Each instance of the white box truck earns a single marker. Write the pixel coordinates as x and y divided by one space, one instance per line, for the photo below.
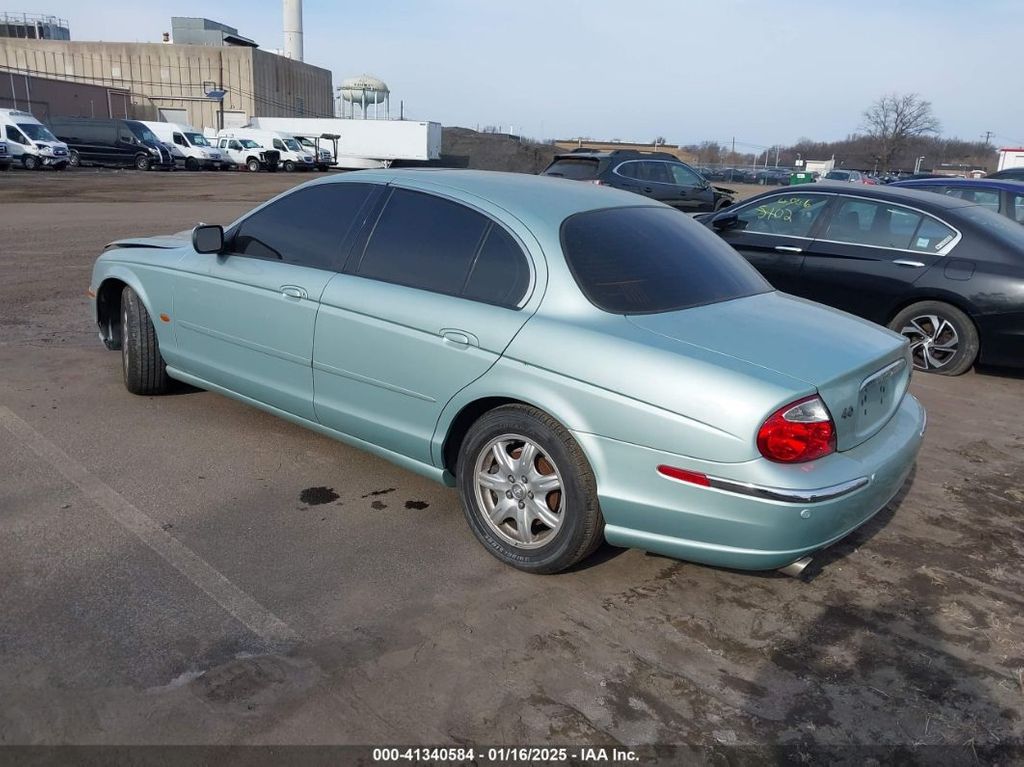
30 143
292 156
189 147
363 143
1010 158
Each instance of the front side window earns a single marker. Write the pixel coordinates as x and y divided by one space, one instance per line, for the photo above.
878 224
640 260
197 139
180 140
13 134
684 176
429 243
250 144
789 215
292 144
279 144
306 227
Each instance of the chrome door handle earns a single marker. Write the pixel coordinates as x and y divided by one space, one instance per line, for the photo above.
293 291
905 262
459 337
788 249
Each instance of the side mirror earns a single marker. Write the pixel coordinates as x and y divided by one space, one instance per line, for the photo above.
727 221
208 238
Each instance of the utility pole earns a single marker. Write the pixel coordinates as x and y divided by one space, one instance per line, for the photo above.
988 134
733 147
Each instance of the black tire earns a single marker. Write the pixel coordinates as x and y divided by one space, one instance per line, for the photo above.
580 528
74 159
191 163
144 369
943 339
253 165
142 162
289 166
30 162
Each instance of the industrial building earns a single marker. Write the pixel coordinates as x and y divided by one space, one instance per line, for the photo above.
33 26
206 75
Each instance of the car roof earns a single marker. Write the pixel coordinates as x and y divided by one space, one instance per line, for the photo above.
541 200
1006 184
888 193
625 154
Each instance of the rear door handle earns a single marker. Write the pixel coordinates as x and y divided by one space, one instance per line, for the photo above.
294 291
459 337
788 249
905 262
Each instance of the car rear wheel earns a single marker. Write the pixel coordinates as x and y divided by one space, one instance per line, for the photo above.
144 369
527 490
942 338
253 165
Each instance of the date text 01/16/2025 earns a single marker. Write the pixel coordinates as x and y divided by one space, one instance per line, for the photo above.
505 754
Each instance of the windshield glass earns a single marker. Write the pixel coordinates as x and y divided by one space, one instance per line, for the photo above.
248 143
648 260
577 169
36 132
197 139
307 143
144 134
292 144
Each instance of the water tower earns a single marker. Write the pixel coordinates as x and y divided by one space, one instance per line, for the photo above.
364 91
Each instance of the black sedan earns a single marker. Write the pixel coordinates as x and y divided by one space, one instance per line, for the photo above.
946 273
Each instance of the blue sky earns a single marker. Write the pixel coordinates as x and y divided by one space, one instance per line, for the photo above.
764 71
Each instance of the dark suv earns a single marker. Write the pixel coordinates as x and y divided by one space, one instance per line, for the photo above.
657 175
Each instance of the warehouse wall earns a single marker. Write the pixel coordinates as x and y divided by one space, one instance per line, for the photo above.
172 76
47 98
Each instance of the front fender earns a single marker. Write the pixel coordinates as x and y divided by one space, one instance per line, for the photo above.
156 295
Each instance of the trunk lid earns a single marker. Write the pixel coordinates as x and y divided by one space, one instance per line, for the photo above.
860 370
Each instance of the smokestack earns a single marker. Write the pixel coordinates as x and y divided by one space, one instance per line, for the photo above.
293 29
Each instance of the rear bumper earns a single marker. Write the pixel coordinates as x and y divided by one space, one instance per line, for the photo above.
745 528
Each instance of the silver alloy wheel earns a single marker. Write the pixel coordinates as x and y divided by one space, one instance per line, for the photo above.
934 341
518 491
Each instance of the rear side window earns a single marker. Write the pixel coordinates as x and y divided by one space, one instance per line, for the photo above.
648 260
879 224
932 236
986 198
578 169
305 228
426 242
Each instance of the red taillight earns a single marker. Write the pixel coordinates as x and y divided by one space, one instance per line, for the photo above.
693 477
800 431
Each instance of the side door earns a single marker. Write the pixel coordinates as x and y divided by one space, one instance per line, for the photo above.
692 193
773 232
244 319
126 146
15 143
428 301
870 253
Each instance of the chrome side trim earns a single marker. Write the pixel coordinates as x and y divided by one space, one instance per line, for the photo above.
786 495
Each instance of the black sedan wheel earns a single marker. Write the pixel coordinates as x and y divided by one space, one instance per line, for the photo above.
942 338
528 491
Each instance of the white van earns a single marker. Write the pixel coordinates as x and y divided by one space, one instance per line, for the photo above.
246 153
189 147
30 143
293 156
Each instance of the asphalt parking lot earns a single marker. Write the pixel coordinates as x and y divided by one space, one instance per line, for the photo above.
187 569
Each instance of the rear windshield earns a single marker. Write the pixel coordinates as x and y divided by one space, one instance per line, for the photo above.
1004 229
578 169
838 175
648 260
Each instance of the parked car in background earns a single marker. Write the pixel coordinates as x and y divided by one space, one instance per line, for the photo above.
29 143
657 175
946 273
190 148
772 177
5 157
848 176
1010 174
118 143
1003 196
248 154
461 324
291 155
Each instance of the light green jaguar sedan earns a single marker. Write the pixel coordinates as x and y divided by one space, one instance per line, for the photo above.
580 363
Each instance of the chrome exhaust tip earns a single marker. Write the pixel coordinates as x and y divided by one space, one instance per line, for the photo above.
795 568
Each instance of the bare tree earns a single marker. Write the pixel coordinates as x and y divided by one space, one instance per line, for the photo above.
896 118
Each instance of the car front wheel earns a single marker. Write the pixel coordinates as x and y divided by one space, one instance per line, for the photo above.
30 162
527 490
142 162
942 338
144 369
74 159
253 165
